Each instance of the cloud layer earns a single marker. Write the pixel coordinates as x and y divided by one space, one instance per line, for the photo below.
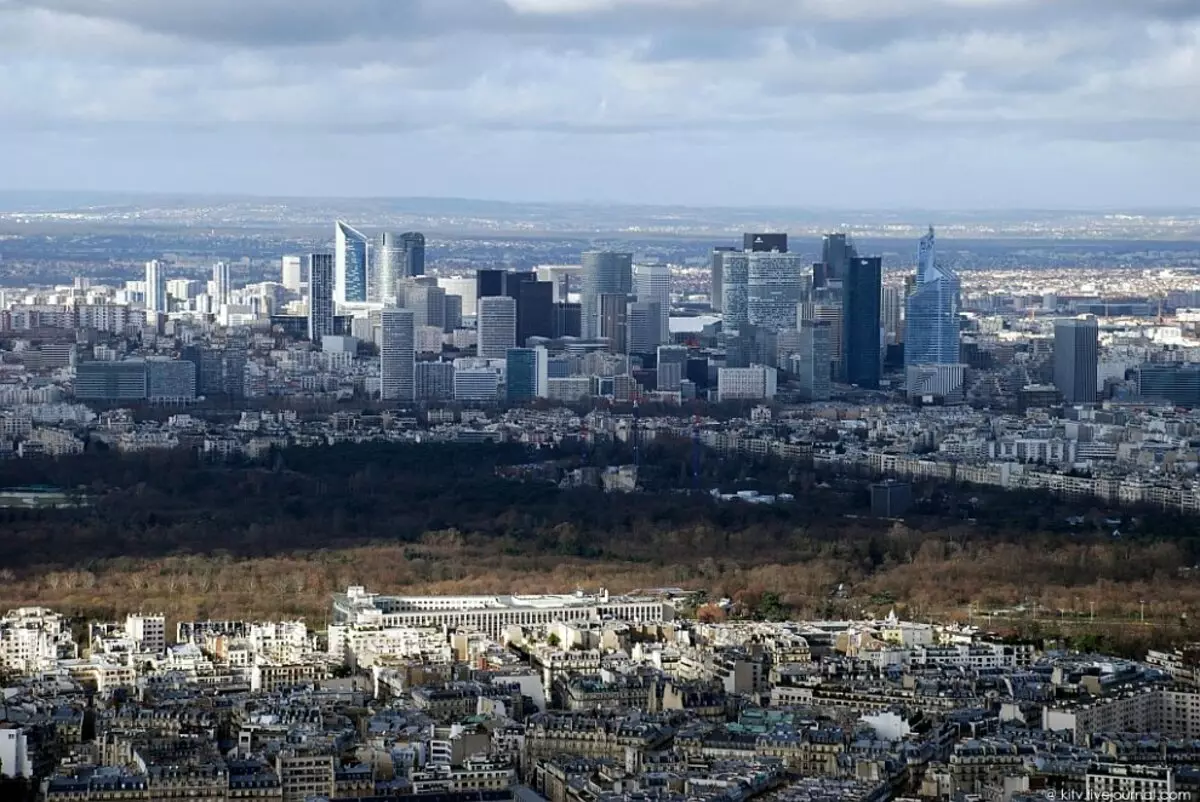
676 97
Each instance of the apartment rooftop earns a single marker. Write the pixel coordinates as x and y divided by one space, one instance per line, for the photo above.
357 598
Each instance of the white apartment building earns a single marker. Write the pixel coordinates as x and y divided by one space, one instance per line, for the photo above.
491 614
14 752
34 639
755 383
365 647
148 632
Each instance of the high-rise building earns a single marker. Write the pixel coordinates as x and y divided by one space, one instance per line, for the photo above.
490 283
389 266
170 380
604 273
836 253
861 296
351 253
156 287
735 294
653 283
568 320
397 355
221 285
776 284
765 243
111 381
892 314
463 287
1177 383
291 273
496 326
812 361
320 296
434 381
755 383
672 367
535 305
716 292
642 326
454 313
565 279
414 253
1076 359
931 335
428 305
614 321
526 374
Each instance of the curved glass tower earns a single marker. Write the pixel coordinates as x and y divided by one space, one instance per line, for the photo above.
932 333
350 265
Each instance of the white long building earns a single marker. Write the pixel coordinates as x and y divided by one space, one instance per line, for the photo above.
491 614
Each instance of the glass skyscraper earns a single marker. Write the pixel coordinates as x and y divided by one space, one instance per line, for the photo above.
604 273
861 297
350 265
931 330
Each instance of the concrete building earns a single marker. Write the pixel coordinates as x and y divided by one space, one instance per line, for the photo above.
1076 359
320 296
397 355
496 323
755 383
603 273
652 284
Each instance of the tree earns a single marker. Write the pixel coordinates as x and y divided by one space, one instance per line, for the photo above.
553 640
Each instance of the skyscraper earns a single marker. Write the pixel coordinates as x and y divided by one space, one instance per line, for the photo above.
434 381
320 296
836 253
414 253
776 283
604 273
496 326
350 265
526 374
765 243
931 328
221 285
672 367
567 320
489 283
535 308
716 292
812 361
861 294
428 305
653 283
735 293
389 266
1076 359
642 324
614 320
397 355
156 287
291 273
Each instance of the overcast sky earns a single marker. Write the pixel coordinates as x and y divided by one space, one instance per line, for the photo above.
931 104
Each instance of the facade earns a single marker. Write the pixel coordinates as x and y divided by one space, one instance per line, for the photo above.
156 287
672 367
111 381
351 273
765 243
936 384
735 292
291 273
476 384
434 381
836 253
535 309
496 324
568 320
414 253
1176 383
776 284
221 284
643 319
604 273
614 321
389 266
931 334
755 383
397 355
320 296
463 287
170 380
526 374
716 292
861 294
812 363
428 305
652 284
1076 359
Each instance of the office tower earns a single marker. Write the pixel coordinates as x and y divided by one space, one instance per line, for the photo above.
614 321
836 253
568 320
414 253
892 314
1177 383
156 287
489 283
463 287
434 381
764 243
111 381
716 292
642 326
476 384
527 373
351 248
565 279
820 274
535 309
389 266
1076 358
672 367
291 273
320 296
861 295
931 327
735 294
653 283
170 380
454 313
221 285
604 273
935 384
397 355
496 326
776 284
428 305
755 383
812 362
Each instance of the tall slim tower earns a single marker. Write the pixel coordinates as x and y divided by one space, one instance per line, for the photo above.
221 285
291 273
652 284
776 284
350 265
414 253
1076 359
604 273
156 287
320 296
861 294
389 265
397 355
716 292
931 328
496 326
